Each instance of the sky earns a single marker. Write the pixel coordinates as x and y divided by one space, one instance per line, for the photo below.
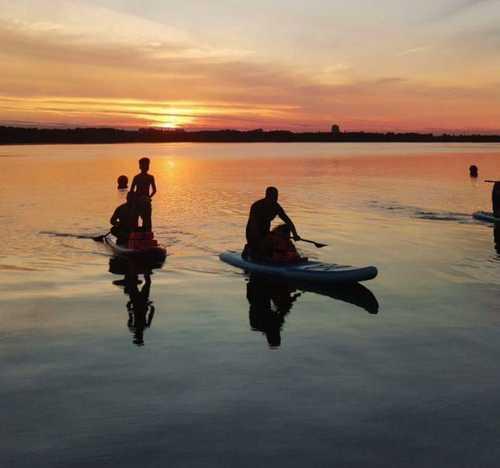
375 65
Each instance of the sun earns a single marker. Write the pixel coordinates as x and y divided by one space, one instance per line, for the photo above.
171 125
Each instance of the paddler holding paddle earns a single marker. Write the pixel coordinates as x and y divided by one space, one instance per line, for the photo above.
259 243
125 219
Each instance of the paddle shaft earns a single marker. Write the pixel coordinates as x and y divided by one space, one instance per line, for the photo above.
100 238
318 245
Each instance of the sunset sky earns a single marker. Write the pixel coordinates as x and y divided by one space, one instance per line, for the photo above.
427 65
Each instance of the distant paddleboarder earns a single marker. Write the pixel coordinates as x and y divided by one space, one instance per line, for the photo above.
259 243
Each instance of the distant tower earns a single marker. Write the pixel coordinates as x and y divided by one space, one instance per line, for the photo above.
335 129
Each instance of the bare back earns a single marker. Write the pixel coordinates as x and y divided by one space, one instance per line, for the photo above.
142 184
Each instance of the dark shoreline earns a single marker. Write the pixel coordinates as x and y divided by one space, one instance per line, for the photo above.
36 136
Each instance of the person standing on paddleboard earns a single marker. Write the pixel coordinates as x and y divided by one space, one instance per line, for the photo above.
259 245
144 187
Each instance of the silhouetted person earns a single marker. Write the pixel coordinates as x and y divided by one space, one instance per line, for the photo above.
140 309
144 187
122 182
269 304
262 212
496 237
124 220
495 198
473 171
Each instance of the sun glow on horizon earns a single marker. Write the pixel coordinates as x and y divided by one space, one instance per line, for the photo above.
171 67
169 125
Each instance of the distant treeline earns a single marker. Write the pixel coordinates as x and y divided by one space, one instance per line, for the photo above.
22 135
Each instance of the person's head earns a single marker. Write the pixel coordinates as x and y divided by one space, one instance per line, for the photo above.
144 165
272 194
473 171
122 182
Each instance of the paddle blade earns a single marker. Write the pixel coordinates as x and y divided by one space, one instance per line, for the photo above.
100 238
320 245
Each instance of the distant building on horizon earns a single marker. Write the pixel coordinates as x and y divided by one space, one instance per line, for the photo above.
335 129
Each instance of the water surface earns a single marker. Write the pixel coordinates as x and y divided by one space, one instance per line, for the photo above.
233 373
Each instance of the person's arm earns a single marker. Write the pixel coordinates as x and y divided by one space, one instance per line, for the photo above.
153 186
284 217
115 217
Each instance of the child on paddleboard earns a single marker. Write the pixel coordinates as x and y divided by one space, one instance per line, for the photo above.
144 187
283 249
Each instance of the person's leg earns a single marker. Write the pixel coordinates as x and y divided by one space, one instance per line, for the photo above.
147 214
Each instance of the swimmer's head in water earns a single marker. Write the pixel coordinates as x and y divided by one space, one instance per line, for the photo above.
144 164
122 182
473 171
272 194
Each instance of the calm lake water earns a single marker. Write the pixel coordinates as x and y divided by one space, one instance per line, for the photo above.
232 373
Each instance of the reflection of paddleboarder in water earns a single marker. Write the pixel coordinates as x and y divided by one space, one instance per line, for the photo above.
269 304
271 301
140 309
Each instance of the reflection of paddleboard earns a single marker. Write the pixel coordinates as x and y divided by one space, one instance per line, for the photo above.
485 216
313 272
355 294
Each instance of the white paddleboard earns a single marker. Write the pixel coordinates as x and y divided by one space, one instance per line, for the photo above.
311 271
485 216
154 253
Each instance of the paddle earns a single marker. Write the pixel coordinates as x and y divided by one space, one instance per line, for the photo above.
492 181
101 238
318 245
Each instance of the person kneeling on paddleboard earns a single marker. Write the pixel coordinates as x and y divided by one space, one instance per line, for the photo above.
259 245
125 220
283 249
